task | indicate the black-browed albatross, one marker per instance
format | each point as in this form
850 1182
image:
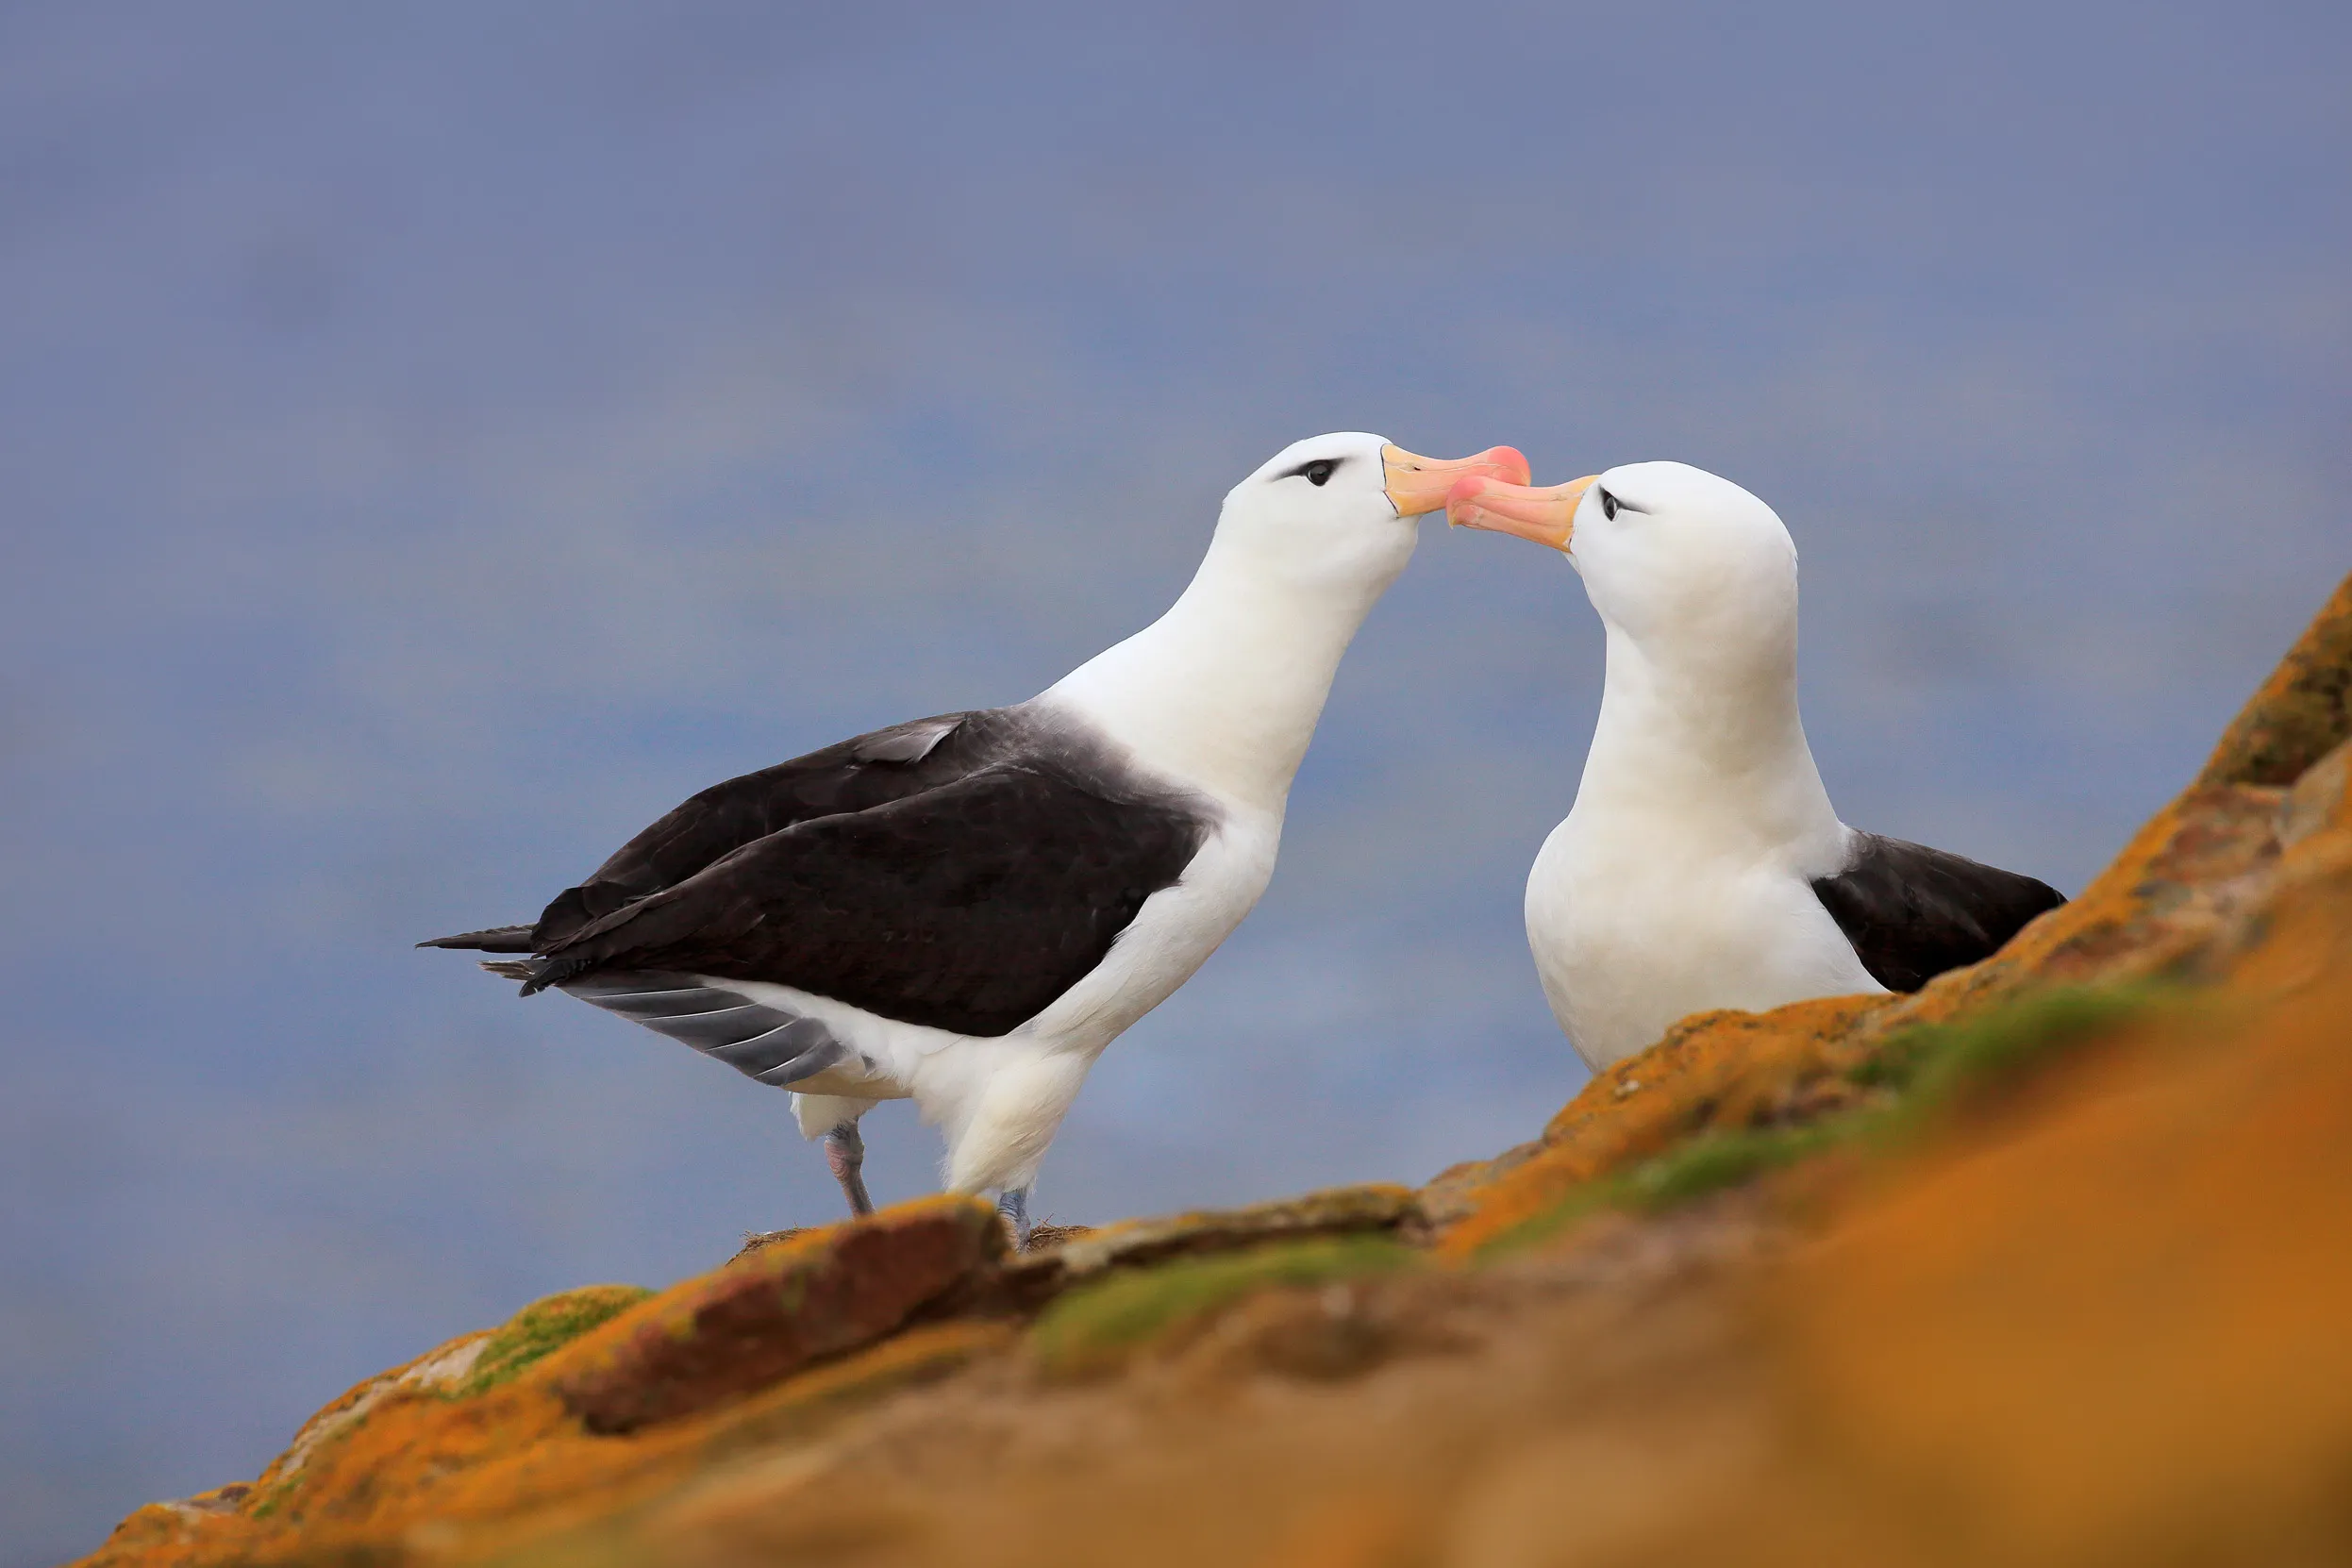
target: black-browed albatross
965 910
1702 865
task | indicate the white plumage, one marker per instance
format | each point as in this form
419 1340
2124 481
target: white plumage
965 911
1702 865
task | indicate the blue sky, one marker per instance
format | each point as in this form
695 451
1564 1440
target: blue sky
442 437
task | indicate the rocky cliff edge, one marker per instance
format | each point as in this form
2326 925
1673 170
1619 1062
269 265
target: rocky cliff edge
2049 1263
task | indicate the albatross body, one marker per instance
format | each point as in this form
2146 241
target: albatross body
1702 865
965 910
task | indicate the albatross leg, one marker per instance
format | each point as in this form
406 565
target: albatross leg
845 1152
1013 1204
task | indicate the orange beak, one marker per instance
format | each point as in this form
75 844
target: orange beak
1417 484
1547 516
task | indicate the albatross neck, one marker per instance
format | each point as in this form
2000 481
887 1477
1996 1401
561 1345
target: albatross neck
1707 732
1224 688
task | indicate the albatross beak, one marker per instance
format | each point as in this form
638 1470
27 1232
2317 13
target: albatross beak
1547 516
1417 484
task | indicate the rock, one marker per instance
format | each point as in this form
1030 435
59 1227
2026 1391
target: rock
2196 865
184 1523
1371 1209
442 1369
2299 714
2072 1290
1046 1233
221 1499
760 1241
1724 1068
726 1334
2320 800
543 1327
1094 1329
2117 1332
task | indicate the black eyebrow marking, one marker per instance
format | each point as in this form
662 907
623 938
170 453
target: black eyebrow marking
1624 505
1300 472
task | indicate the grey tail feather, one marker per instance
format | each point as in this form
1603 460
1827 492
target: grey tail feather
499 939
525 970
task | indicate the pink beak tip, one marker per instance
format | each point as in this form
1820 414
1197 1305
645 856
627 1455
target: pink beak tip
1466 490
1514 463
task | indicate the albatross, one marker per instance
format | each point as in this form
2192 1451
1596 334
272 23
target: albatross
1702 865
965 910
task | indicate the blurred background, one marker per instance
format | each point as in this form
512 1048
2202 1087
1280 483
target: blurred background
438 438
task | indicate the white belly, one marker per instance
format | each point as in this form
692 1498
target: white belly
1170 936
1630 936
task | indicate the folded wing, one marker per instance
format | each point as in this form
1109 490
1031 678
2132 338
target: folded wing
967 908
1912 913
854 775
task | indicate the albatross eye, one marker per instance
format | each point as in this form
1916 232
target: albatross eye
1319 471
1608 505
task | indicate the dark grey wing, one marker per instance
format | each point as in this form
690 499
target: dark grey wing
969 908
854 775
1912 913
773 1044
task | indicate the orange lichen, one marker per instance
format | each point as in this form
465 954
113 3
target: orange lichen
428 1442
1715 1070
2117 1332
2300 713
2182 878
512 1464
763 1315
1361 1529
2094 1316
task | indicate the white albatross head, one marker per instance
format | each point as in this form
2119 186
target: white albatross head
1678 559
1341 509
1224 688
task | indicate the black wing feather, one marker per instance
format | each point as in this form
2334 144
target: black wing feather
854 775
499 939
969 908
1912 913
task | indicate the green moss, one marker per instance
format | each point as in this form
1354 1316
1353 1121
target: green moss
1714 1160
1936 1063
545 1326
1095 1326
1562 1212
1924 1070
1707 1163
